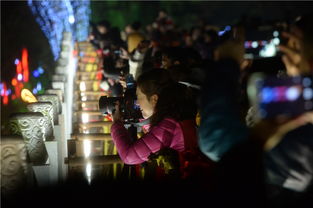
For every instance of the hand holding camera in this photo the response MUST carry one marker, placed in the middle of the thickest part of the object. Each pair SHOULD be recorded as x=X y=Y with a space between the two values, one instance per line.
x=116 y=113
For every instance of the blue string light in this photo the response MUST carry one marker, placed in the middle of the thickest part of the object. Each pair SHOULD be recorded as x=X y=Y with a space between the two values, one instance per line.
x=56 y=17
x=40 y=70
x=39 y=86
x=36 y=73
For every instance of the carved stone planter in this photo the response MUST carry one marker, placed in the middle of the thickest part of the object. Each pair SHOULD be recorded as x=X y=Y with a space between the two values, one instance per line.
x=31 y=127
x=13 y=164
x=46 y=108
x=57 y=92
x=55 y=102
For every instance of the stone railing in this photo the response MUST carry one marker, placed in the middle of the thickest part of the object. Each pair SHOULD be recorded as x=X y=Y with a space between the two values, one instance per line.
x=34 y=152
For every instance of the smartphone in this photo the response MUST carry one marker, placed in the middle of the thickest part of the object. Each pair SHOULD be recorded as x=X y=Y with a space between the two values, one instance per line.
x=262 y=44
x=273 y=97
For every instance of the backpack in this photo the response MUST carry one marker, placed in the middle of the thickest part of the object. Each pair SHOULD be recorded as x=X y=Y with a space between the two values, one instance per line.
x=190 y=164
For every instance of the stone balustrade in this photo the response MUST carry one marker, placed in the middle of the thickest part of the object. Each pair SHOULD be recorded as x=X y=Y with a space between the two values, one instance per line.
x=46 y=108
x=32 y=127
x=14 y=165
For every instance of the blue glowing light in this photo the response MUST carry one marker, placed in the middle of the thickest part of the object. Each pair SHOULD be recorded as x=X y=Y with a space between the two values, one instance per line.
x=227 y=28
x=16 y=61
x=36 y=73
x=35 y=91
x=56 y=17
x=39 y=86
x=9 y=92
x=220 y=33
x=1 y=86
x=267 y=95
x=40 y=70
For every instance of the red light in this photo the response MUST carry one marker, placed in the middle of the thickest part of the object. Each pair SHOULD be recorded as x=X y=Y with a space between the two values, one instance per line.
x=75 y=52
x=19 y=68
x=99 y=75
x=5 y=100
x=5 y=96
x=25 y=64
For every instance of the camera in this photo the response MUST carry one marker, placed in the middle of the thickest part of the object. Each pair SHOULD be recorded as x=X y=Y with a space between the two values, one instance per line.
x=273 y=97
x=128 y=103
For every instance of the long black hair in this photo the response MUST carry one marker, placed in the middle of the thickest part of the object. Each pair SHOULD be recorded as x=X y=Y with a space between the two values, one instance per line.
x=174 y=99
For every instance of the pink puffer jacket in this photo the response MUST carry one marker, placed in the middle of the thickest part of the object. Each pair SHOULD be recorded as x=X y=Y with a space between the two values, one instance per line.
x=168 y=133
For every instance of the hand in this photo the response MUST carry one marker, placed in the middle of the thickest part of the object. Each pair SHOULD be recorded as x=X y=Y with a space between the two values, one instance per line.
x=143 y=46
x=124 y=54
x=122 y=81
x=293 y=59
x=272 y=132
x=116 y=114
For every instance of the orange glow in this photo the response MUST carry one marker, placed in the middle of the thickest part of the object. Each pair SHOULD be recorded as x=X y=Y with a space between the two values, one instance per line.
x=28 y=97
x=5 y=100
x=18 y=88
x=25 y=65
x=19 y=68
x=14 y=82
x=99 y=75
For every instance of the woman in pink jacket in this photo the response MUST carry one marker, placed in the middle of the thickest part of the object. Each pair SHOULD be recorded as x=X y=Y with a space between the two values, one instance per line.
x=163 y=102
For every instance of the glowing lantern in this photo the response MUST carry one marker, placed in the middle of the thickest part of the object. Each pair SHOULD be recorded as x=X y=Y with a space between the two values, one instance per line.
x=28 y=97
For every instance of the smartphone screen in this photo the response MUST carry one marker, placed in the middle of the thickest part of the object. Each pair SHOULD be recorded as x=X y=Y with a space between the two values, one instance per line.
x=262 y=44
x=290 y=96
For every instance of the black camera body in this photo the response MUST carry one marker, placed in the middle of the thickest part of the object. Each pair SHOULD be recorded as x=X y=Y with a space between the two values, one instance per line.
x=128 y=105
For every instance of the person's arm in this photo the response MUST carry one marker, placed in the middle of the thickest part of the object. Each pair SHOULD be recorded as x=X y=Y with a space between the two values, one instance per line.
x=136 y=152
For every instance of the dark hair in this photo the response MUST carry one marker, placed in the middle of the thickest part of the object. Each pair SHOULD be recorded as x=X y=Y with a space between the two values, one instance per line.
x=174 y=100
x=152 y=81
x=104 y=23
x=136 y=25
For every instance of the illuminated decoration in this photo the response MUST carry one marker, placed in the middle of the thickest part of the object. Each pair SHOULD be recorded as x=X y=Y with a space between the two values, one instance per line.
x=25 y=65
x=56 y=17
x=28 y=97
x=19 y=77
x=4 y=94
x=14 y=82
x=38 y=72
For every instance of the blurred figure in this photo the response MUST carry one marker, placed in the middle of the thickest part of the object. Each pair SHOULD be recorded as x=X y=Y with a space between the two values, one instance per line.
x=134 y=36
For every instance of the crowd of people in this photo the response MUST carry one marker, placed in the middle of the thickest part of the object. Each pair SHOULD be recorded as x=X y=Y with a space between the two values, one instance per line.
x=191 y=87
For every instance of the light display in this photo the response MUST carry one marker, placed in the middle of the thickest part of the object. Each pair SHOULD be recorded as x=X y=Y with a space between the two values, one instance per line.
x=28 y=97
x=56 y=17
x=21 y=78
